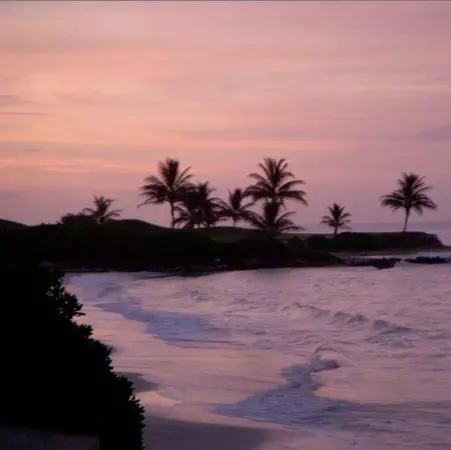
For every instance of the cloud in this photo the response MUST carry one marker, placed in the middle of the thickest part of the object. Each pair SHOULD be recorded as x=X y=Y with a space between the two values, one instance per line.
x=7 y=194
x=437 y=134
x=10 y=100
x=23 y=113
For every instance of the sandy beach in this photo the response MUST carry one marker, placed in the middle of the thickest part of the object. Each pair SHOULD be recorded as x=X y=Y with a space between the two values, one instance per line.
x=281 y=359
x=171 y=434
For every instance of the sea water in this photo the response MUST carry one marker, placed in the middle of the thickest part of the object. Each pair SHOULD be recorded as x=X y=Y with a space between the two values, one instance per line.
x=340 y=357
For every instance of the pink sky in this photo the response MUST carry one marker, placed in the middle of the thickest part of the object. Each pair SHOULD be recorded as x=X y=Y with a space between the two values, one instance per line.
x=93 y=94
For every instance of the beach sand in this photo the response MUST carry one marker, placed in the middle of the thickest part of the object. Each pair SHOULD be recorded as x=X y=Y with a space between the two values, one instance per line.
x=179 y=387
x=172 y=434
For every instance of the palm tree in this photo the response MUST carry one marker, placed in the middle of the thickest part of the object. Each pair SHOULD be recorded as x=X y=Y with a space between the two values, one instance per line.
x=337 y=218
x=101 y=211
x=235 y=207
x=272 y=221
x=276 y=183
x=198 y=208
x=168 y=187
x=410 y=195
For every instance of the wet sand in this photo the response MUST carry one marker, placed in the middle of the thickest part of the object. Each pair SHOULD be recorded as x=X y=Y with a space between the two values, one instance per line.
x=172 y=434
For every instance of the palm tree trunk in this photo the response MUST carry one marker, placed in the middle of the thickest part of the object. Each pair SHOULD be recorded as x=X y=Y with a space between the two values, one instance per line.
x=406 y=219
x=335 y=230
x=172 y=215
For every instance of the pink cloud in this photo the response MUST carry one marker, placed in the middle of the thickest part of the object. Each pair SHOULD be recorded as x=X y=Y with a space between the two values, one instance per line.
x=343 y=89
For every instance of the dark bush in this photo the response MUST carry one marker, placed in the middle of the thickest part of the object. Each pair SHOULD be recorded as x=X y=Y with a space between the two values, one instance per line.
x=295 y=244
x=77 y=220
x=107 y=247
x=55 y=376
x=384 y=241
x=355 y=242
x=318 y=242
x=267 y=251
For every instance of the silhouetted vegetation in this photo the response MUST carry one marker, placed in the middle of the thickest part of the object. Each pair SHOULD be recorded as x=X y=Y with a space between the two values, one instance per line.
x=236 y=208
x=337 y=218
x=169 y=187
x=272 y=220
x=376 y=242
x=102 y=210
x=410 y=195
x=93 y=239
x=55 y=376
x=10 y=225
x=276 y=183
x=135 y=245
x=77 y=220
x=198 y=208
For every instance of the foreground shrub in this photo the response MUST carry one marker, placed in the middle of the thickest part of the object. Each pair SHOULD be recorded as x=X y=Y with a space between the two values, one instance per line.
x=318 y=242
x=55 y=376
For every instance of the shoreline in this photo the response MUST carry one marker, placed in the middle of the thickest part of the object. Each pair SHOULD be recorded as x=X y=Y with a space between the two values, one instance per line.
x=211 y=270
x=442 y=249
x=181 y=416
x=163 y=433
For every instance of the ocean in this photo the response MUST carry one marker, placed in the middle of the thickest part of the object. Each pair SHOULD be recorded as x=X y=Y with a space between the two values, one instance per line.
x=333 y=358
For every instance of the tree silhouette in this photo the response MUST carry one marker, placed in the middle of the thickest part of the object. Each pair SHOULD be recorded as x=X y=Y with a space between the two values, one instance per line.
x=57 y=377
x=337 y=218
x=271 y=220
x=77 y=219
x=276 y=183
x=410 y=195
x=102 y=212
x=168 y=187
x=236 y=208
x=198 y=208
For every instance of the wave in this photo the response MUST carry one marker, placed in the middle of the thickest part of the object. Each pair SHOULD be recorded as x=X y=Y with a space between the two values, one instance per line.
x=294 y=400
x=344 y=319
x=179 y=329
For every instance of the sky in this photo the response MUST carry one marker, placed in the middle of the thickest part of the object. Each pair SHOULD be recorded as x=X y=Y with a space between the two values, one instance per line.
x=94 y=94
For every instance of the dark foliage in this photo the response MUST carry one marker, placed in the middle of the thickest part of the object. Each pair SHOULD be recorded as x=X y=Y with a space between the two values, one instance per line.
x=276 y=182
x=318 y=242
x=10 y=225
x=197 y=207
x=77 y=220
x=108 y=247
x=169 y=186
x=55 y=375
x=111 y=247
x=259 y=251
x=102 y=210
x=411 y=195
x=237 y=207
x=356 y=242
x=272 y=219
x=336 y=218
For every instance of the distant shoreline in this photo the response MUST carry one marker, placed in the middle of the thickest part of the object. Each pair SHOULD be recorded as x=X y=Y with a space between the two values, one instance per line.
x=200 y=271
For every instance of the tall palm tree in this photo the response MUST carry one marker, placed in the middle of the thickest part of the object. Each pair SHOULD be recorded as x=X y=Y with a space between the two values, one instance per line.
x=102 y=210
x=272 y=221
x=276 y=183
x=198 y=208
x=410 y=195
x=337 y=218
x=168 y=187
x=236 y=207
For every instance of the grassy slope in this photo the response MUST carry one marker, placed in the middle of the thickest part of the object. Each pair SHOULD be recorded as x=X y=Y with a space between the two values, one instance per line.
x=10 y=225
x=220 y=233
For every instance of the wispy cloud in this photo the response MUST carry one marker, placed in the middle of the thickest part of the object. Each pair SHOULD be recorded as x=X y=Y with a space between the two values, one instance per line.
x=11 y=100
x=93 y=94
x=441 y=133
x=23 y=113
